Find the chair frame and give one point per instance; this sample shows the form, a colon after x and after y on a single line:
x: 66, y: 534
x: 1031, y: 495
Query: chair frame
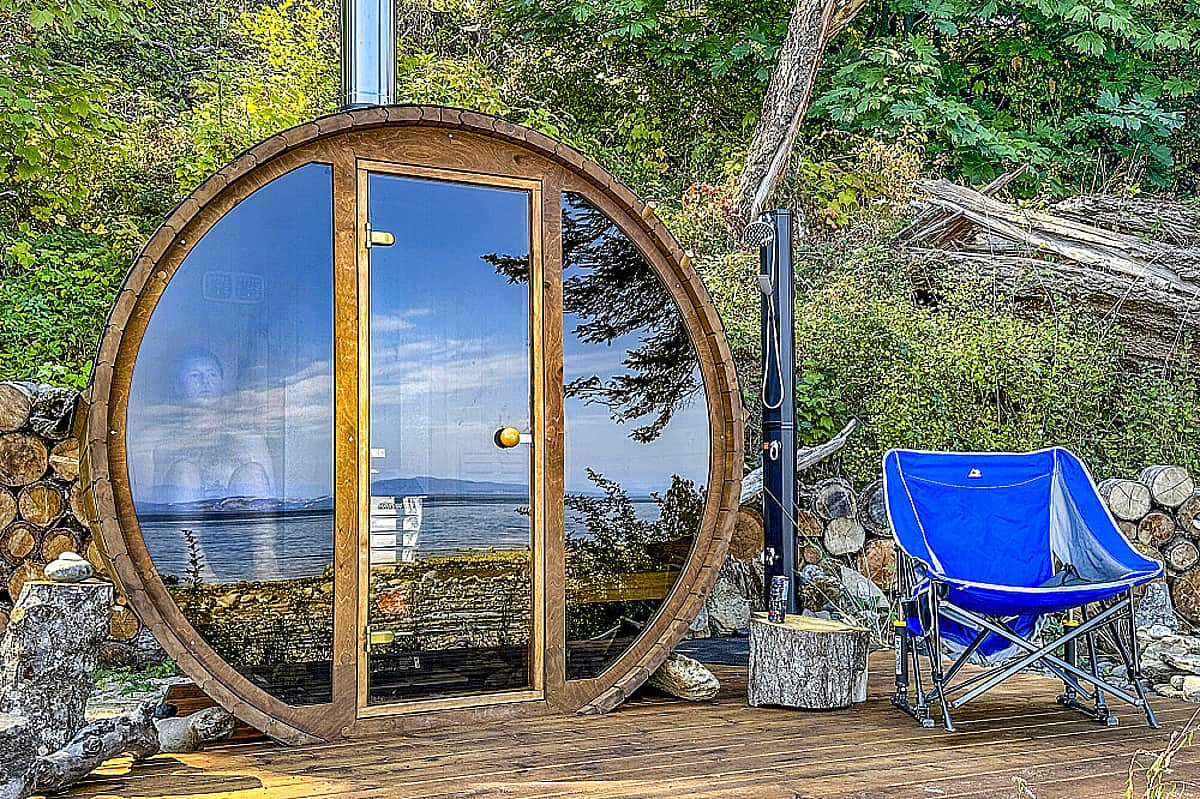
x: 949, y: 695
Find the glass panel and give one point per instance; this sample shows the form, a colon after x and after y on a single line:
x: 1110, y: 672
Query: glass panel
x: 637, y: 442
x: 449, y: 598
x: 230, y: 436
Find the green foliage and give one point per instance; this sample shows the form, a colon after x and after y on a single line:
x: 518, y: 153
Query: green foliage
x: 965, y: 371
x: 55, y: 290
x: 1068, y: 86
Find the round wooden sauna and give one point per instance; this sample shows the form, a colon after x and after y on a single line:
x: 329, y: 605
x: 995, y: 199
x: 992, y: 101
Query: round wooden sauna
x: 409, y: 416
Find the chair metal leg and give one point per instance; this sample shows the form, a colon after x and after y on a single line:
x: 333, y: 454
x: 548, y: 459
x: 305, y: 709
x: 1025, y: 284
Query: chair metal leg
x: 935, y: 659
x: 1133, y: 661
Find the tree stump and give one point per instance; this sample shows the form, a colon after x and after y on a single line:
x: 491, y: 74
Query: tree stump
x: 1169, y: 485
x: 1128, y: 500
x: 48, y: 657
x: 807, y: 662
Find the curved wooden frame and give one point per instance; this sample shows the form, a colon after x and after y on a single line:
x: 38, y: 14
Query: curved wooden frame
x: 451, y: 139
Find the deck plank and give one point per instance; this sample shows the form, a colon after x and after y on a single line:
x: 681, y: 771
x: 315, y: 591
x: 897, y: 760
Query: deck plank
x: 657, y: 747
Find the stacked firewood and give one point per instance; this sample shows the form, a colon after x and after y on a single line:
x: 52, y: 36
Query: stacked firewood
x: 42, y: 511
x: 1159, y: 513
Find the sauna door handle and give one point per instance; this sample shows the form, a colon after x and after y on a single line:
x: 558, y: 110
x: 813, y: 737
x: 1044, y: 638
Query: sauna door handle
x: 509, y: 437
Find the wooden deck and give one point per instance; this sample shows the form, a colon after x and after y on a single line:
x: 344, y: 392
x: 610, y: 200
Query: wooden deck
x: 659, y: 747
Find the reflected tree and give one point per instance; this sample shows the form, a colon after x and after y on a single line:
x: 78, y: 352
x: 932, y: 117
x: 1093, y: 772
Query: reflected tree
x: 610, y: 287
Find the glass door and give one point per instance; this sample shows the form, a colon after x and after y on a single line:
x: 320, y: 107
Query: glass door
x: 449, y: 546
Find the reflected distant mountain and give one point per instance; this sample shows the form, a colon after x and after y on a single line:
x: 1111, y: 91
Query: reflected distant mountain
x: 446, y: 487
x: 242, y: 506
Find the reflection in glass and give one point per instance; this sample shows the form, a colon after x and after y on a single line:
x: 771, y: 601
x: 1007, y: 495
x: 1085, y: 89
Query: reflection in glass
x: 450, y: 593
x: 230, y: 437
x: 636, y: 438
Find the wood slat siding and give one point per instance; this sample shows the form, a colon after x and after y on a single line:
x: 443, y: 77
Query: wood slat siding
x: 431, y: 137
x: 655, y: 746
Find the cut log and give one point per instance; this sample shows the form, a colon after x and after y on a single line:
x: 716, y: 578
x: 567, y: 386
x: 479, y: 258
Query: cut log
x: 1129, y: 530
x: 1128, y: 500
x: 48, y: 657
x: 1180, y: 554
x: 1188, y: 516
x: 747, y: 540
x: 64, y: 459
x: 77, y: 500
x: 872, y: 508
x: 807, y: 662
x: 16, y: 401
x: 1185, y: 595
x: 41, y: 503
x: 834, y: 498
x: 23, y: 459
x: 26, y: 572
x: 95, y: 557
x: 18, y: 541
x: 1155, y: 528
x: 878, y: 563
x: 810, y: 554
x: 123, y: 625
x: 808, y: 525
x: 1169, y: 486
x: 8, y: 507
x: 58, y: 541
x: 131, y: 732
x: 53, y: 412
x: 844, y: 536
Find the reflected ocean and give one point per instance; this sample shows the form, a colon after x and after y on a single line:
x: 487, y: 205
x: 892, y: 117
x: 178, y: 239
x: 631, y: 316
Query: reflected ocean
x: 301, y: 544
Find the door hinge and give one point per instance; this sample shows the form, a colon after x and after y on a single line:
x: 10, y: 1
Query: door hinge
x: 379, y: 238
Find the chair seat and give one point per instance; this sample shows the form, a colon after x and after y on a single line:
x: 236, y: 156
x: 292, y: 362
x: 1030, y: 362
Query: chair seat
x: 1013, y: 600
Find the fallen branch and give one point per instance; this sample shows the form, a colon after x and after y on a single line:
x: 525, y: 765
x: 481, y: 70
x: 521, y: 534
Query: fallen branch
x: 806, y: 458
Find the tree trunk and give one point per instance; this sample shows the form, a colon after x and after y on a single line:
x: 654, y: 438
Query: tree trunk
x: 23, y: 459
x: 788, y: 95
x: 844, y: 536
x: 834, y: 498
x: 16, y: 401
x: 48, y: 657
x: 1165, y: 220
x: 1155, y: 529
x: 1128, y: 500
x: 1169, y: 486
x: 807, y: 663
x: 41, y: 503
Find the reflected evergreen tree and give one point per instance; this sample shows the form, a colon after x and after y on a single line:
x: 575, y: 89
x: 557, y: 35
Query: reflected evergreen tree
x: 614, y: 291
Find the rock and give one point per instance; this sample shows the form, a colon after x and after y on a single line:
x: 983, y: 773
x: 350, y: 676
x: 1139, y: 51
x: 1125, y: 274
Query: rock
x: 189, y: 733
x: 686, y: 678
x: 68, y: 568
x: 1165, y: 689
x: 728, y: 610
x: 1155, y: 608
x: 17, y: 754
x: 1190, y: 687
x: 1159, y: 631
x: 1177, y: 682
x: 1187, y: 663
x: 862, y: 591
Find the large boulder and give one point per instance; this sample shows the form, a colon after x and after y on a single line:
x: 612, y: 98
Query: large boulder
x: 728, y: 609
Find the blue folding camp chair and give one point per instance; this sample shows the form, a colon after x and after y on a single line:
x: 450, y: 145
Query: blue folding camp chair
x: 988, y: 545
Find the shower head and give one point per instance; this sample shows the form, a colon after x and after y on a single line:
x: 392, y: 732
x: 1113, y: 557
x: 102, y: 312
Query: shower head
x: 758, y: 234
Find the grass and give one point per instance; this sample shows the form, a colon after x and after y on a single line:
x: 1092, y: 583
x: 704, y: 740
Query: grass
x: 134, y: 681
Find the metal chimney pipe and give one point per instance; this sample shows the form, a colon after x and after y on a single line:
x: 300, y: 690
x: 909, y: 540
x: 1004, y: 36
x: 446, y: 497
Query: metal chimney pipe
x: 368, y: 53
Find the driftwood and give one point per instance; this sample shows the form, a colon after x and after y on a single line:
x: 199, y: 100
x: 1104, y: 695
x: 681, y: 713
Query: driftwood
x: 806, y: 457
x: 807, y: 663
x: 686, y: 678
x: 132, y: 732
x: 53, y: 412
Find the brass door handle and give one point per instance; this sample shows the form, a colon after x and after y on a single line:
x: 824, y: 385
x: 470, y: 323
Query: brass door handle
x: 509, y: 437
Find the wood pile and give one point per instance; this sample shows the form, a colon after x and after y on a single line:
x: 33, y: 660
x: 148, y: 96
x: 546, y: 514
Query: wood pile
x: 1134, y: 261
x: 1159, y: 513
x: 43, y: 509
